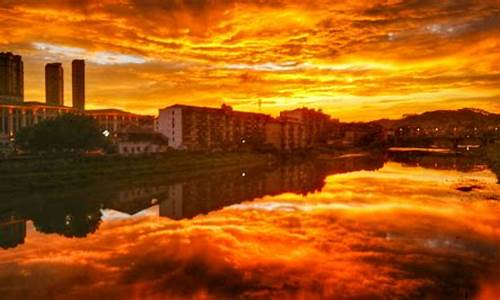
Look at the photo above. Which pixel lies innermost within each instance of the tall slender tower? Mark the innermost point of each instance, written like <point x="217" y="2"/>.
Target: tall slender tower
<point x="78" y="80"/>
<point x="54" y="84"/>
<point x="11" y="77"/>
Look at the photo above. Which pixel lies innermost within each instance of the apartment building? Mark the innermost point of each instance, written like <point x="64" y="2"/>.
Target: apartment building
<point x="205" y="128"/>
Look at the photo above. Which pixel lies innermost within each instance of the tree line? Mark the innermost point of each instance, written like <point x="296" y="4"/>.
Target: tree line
<point x="65" y="133"/>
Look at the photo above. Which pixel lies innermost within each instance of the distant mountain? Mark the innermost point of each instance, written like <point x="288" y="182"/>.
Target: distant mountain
<point x="462" y="117"/>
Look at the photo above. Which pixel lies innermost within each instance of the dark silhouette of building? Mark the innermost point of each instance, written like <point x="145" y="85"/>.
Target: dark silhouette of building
<point x="54" y="84"/>
<point x="78" y="81"/>
<point x="11" y="77"/>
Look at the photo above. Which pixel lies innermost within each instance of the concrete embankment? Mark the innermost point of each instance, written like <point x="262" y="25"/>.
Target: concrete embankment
<point x="39" y="173"/>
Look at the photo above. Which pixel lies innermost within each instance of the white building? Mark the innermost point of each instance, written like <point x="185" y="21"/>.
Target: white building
<point x="140" y="141"/>
<point x="170" y="125"/>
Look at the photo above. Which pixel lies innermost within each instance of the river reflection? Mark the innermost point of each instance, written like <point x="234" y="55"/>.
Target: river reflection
<point x="349" y="228"/>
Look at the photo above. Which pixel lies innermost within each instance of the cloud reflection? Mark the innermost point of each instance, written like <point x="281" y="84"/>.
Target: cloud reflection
<point x="393" y="233"/>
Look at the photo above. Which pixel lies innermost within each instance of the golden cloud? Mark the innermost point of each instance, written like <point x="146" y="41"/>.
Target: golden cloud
<point x="362" y="60"/>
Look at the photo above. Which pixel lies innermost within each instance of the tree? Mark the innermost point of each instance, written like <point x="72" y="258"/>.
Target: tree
<point x="65" y="133"/>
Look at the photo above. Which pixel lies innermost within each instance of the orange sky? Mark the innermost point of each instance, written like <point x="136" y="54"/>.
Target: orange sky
<point x="357" y="60"/>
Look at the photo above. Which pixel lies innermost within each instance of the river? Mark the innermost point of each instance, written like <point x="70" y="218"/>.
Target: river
<point x="357" y="227"/>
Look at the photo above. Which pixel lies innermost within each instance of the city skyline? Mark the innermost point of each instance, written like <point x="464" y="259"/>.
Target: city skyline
<point x="360" y="61"/>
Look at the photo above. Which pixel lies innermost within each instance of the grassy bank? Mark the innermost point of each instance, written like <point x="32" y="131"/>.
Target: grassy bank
<point x="39" y="173"/>
<point x="493" y="156"/>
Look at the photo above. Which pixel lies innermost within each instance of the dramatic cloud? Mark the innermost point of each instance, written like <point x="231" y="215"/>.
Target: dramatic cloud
<point x="350" y="58"/>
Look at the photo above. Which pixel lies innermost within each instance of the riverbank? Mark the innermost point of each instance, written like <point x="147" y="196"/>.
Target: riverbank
<point x="41" y="173"/>
<point x="56" y="172"/>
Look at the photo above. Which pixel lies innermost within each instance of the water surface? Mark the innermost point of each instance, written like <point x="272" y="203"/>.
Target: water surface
<point x="352" y="228"/>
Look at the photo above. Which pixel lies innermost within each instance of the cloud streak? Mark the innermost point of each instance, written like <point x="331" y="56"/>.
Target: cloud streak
<point x="100" y="57"/>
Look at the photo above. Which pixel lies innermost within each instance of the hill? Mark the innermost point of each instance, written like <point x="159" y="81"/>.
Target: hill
<point x="466" y="117"/>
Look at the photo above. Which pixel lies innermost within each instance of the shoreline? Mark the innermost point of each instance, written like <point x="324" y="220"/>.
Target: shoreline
<point x="48" y="173"/>
<point x="37" y="174"/>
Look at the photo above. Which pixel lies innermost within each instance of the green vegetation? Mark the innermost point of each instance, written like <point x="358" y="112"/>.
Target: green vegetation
<point x="493" y="156"/>
<point x="65" y="133"/>
<point x="38" y="173"/>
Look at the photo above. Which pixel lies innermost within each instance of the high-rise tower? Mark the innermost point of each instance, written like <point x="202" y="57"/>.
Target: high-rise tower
<point x="78" y="80"/>
<point x="54" y="84"/>
<point x="11" y="77"/>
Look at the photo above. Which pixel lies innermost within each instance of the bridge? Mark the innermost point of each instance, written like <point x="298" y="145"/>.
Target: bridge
<point x="454" y="142"/>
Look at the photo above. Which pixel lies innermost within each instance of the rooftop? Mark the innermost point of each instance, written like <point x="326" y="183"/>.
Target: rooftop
<point x="184" y="106"/>
<point x="223" y="108"/>
<point x="10" y="55"/>
<point x="30" y="104"/>
<point x="110" y="111"/>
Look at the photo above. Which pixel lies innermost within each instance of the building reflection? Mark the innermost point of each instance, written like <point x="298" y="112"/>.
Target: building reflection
<point x="12" y="230"/>
<point x="79" y="213"/>
<point x="462" y="163"/>
<point x="202" y="195"/>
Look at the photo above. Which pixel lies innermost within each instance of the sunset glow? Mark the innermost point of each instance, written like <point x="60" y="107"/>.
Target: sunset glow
<point x="357" y="60"/>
